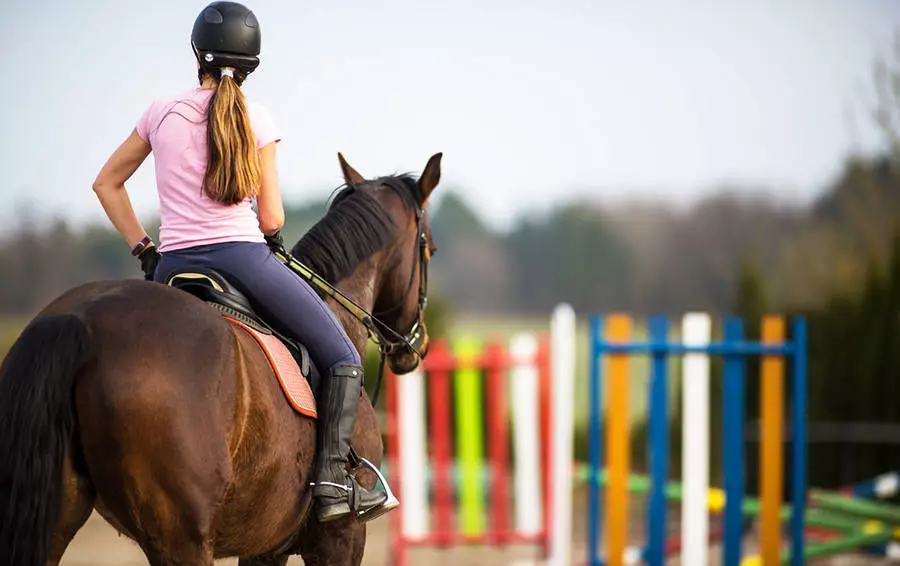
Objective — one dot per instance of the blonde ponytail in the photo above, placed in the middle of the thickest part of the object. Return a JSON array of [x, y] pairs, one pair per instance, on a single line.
[[232, 166]]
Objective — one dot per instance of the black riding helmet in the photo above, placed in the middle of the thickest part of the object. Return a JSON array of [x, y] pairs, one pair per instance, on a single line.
[[226, 34]]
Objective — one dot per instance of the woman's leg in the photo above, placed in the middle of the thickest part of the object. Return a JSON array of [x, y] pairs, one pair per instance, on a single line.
[[279, 296], [290, 304]]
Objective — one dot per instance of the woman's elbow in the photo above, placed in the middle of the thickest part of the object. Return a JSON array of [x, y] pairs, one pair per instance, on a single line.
[[271, 223], [102, 185]]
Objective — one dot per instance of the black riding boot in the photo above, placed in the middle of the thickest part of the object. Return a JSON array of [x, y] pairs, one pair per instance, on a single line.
[[335, 491]]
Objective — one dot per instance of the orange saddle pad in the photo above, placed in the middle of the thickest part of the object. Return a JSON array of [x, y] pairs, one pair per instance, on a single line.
[[293, 383]]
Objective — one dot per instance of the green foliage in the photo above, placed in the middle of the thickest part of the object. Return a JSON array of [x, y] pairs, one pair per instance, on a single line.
[[751, 305], [10, 328], [571, 253], [299, 219], [854, 373], [455, 219]]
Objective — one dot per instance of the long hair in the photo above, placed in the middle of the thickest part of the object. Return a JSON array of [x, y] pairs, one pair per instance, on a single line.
[[232, 165]]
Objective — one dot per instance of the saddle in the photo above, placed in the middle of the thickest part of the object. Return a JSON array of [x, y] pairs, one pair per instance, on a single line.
[[289, 359]]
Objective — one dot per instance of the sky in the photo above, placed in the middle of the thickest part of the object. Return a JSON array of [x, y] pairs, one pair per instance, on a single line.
[[531, 102]]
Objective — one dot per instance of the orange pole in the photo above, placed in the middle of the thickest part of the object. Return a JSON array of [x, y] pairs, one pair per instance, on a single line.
[[618, 329], [771, 465]]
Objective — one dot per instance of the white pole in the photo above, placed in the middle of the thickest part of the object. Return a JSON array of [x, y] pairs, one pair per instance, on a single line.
[[886, 485], [562, 355], [413, 487], [526, 434], [695, 440]]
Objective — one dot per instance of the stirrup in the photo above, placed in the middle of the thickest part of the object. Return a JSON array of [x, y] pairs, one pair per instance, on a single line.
[[390, 503]]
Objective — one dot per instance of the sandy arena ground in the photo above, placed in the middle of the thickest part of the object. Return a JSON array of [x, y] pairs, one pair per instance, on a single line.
[[98, 544]]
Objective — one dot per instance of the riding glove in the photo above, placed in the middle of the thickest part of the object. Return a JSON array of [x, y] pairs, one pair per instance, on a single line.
[[149, 259], [275, 242]]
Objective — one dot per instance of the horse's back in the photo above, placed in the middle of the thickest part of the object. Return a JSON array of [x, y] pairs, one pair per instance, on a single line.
[[155, 404], [194, 415]]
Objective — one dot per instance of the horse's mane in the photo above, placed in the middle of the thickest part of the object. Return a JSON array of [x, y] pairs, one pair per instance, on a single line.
[[354, 227]]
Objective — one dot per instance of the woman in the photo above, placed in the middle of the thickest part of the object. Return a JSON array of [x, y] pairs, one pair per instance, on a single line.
[[215, 156]]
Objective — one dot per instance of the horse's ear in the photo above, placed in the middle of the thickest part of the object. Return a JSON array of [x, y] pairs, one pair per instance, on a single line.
[[431, 176], [351, 177]]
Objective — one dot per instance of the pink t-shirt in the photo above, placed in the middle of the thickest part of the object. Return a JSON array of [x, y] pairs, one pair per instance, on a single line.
[[176, 130]]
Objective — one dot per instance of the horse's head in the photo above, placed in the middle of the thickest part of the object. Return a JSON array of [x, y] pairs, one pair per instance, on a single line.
[[401, 292]]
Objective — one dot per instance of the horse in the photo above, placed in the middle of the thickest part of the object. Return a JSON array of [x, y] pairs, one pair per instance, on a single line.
[[139, 401]]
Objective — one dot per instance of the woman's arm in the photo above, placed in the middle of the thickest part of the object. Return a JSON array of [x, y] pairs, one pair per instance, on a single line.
[[268, 201], [110, 187]]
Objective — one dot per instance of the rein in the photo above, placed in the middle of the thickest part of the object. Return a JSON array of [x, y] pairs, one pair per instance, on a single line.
[[377, 330]]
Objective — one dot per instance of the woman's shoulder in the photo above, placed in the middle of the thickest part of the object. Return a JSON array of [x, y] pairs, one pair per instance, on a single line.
[[264, 127], [259, 113], [256, 108], [194, 97], [190, 104]]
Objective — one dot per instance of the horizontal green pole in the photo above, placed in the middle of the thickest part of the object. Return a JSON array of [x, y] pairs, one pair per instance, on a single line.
[[838, 512], [828, 519], [841, 513], [841, 546], [834, 522], [855, 506], [830, 548], [640, 484]]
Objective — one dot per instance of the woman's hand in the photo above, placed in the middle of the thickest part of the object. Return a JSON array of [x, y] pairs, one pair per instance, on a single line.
[[275, 242], [110, 187], [149, 259]]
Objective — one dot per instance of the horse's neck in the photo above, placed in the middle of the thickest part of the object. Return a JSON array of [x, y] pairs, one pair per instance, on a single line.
[[360, 286]]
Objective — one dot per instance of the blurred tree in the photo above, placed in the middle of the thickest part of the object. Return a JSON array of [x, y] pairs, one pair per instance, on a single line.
[[751, 305], [854, 372], [454, 218], [573, 254], [706, 246], [299, 219], [471, 268]]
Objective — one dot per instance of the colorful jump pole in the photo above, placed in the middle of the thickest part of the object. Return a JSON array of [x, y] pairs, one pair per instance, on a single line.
[[562, 336], [449, 426], [880, 487], [695, 330], [612, 343], [733, 439]]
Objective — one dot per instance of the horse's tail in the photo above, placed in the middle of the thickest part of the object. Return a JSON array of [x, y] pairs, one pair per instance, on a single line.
[[37, 421]]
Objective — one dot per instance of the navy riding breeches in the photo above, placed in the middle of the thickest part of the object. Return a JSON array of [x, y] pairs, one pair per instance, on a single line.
[[277, 294]]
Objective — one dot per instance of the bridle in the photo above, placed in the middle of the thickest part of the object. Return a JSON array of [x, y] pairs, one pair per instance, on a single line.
[[388, 340], [415, 338]]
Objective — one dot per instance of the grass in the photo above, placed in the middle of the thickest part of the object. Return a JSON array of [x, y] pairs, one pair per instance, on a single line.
[[10, 328]]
